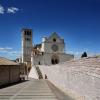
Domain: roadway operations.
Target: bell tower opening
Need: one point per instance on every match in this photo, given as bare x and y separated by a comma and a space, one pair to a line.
26, 46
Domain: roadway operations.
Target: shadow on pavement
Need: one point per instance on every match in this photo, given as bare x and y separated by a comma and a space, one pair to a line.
11, 84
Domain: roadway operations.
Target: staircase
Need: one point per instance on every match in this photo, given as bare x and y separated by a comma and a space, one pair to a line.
40, 76
35, 73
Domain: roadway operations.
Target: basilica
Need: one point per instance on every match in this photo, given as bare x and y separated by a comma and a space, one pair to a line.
50, 51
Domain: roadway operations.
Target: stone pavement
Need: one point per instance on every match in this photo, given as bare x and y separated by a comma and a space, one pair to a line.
29, 90
32, 90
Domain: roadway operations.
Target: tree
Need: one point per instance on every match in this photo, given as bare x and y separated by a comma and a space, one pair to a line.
84, 55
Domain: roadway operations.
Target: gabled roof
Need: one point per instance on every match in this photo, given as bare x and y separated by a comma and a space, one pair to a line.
54, 34
5, 61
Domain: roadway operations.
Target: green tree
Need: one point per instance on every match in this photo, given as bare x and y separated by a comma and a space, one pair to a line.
84, 55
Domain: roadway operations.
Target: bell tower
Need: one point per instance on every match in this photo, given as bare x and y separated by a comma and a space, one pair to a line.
26, 46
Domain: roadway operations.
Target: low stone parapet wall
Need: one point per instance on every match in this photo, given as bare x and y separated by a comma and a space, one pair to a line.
78, 78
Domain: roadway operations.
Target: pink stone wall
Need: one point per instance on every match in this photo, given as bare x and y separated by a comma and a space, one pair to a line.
78, 78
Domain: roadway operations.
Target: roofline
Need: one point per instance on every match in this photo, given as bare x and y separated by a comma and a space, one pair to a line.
26, 29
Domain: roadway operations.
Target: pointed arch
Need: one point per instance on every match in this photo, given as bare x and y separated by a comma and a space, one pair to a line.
54, 59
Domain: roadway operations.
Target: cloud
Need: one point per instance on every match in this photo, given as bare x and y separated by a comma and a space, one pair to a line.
12, 10
16, 54
5, 49
2, 10
13, 52
9, 53
70, 52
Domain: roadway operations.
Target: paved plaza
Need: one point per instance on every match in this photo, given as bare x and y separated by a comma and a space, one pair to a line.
29, 90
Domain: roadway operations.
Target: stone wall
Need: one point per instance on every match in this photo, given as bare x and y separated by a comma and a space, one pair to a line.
46, 58
9, 74
78, 78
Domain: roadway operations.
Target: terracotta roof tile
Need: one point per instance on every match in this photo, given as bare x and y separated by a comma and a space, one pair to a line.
5, 61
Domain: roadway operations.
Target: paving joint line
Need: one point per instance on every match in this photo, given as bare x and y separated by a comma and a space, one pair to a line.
12, 98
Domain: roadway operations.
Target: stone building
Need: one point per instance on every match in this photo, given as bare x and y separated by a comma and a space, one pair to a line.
27, 47
9, 71
50, 51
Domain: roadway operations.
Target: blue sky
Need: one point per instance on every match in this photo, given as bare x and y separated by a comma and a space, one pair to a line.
77, 21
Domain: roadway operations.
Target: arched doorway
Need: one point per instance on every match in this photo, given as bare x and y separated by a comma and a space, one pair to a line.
54, 59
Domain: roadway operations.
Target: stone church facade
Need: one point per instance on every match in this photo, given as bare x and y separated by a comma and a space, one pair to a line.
50, 51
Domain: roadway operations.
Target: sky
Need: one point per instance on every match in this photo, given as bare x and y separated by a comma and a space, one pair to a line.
77, 21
